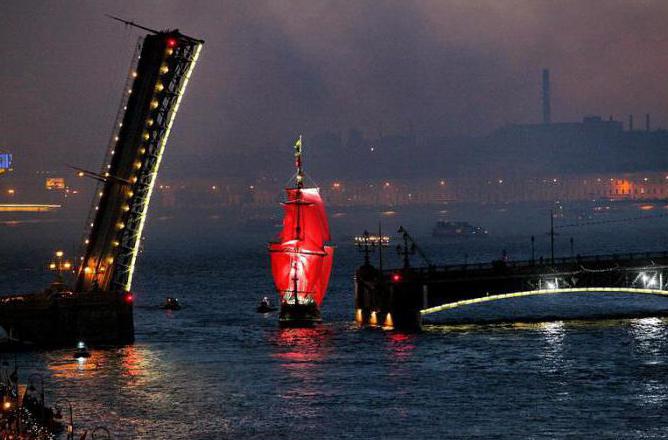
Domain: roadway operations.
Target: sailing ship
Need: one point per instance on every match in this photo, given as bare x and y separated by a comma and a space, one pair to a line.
301, 262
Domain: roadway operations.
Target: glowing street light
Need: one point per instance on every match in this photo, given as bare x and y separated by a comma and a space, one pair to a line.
59, 264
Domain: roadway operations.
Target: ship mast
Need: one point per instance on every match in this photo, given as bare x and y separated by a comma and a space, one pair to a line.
299, 163
300, 184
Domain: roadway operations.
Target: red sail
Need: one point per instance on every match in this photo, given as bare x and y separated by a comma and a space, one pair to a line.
300, 262
325, 272
300, 270
305, 218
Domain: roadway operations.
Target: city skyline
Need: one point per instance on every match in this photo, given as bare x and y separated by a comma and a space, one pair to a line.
280, 68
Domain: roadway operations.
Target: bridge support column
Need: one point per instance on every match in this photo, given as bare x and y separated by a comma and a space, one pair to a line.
376, 298
405, 308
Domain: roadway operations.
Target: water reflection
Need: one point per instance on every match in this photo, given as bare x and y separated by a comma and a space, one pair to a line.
301, 354
64, 365
400, 345
553, 336
300, 345
648, 334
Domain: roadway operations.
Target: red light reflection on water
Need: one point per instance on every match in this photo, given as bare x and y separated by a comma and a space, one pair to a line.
132, 361
400, 345
302, 353
301, 345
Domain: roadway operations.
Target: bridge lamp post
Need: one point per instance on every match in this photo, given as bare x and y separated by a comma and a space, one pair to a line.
367, 244
60, 265
406, 250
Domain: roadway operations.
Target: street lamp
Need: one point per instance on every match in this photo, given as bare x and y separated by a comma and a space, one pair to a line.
60, 265
367, 243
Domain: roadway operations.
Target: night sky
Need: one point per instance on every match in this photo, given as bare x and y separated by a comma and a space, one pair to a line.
272, 69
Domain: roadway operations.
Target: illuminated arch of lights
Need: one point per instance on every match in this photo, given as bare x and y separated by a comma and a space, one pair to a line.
483, 299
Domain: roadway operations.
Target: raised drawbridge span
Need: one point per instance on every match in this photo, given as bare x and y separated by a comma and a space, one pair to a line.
97, 306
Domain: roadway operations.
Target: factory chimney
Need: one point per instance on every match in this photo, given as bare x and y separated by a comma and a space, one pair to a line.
547, 117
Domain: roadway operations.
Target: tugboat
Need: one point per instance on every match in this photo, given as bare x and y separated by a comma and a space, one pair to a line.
301, 263
265, 306
171, 304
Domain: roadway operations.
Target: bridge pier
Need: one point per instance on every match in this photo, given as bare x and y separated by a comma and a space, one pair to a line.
407, 294
379, 303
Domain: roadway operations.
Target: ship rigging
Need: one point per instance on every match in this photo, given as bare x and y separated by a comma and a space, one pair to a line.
301, 262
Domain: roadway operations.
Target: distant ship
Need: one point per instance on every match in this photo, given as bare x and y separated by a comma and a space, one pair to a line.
445, 229
301, 263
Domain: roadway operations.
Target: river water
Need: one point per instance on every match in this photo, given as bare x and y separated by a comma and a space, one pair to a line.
216, 369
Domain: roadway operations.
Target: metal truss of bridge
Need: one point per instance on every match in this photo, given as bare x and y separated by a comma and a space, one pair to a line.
97, 307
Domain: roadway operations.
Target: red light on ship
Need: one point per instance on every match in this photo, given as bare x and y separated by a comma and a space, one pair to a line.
171, 42
396, 277
129, 298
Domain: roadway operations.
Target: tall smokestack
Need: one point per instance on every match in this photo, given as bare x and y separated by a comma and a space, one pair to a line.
547, 111
647, 127
630, 122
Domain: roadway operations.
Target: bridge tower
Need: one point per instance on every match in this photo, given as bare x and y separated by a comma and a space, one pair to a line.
98, 308
158, 80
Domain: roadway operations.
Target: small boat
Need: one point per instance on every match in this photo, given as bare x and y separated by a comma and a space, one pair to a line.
82, 351
265, 306
171, 304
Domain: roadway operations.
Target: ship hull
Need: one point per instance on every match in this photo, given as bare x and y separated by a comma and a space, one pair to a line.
299, 315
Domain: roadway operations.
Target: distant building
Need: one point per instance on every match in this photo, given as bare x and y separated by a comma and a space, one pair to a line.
594, 145
5, 162
55, 183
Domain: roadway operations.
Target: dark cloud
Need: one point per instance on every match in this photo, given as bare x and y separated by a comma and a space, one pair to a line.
271, 69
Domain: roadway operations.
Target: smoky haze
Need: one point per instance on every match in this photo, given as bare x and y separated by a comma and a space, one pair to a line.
443, 71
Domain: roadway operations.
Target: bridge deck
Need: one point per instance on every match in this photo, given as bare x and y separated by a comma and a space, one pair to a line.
409, 293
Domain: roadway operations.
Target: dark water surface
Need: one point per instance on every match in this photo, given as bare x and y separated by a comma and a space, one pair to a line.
216, 369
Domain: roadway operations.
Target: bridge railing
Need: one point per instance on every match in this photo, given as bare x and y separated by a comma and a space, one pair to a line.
537, 263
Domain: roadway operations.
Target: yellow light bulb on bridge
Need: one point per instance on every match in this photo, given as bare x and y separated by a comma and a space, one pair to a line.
59, 254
